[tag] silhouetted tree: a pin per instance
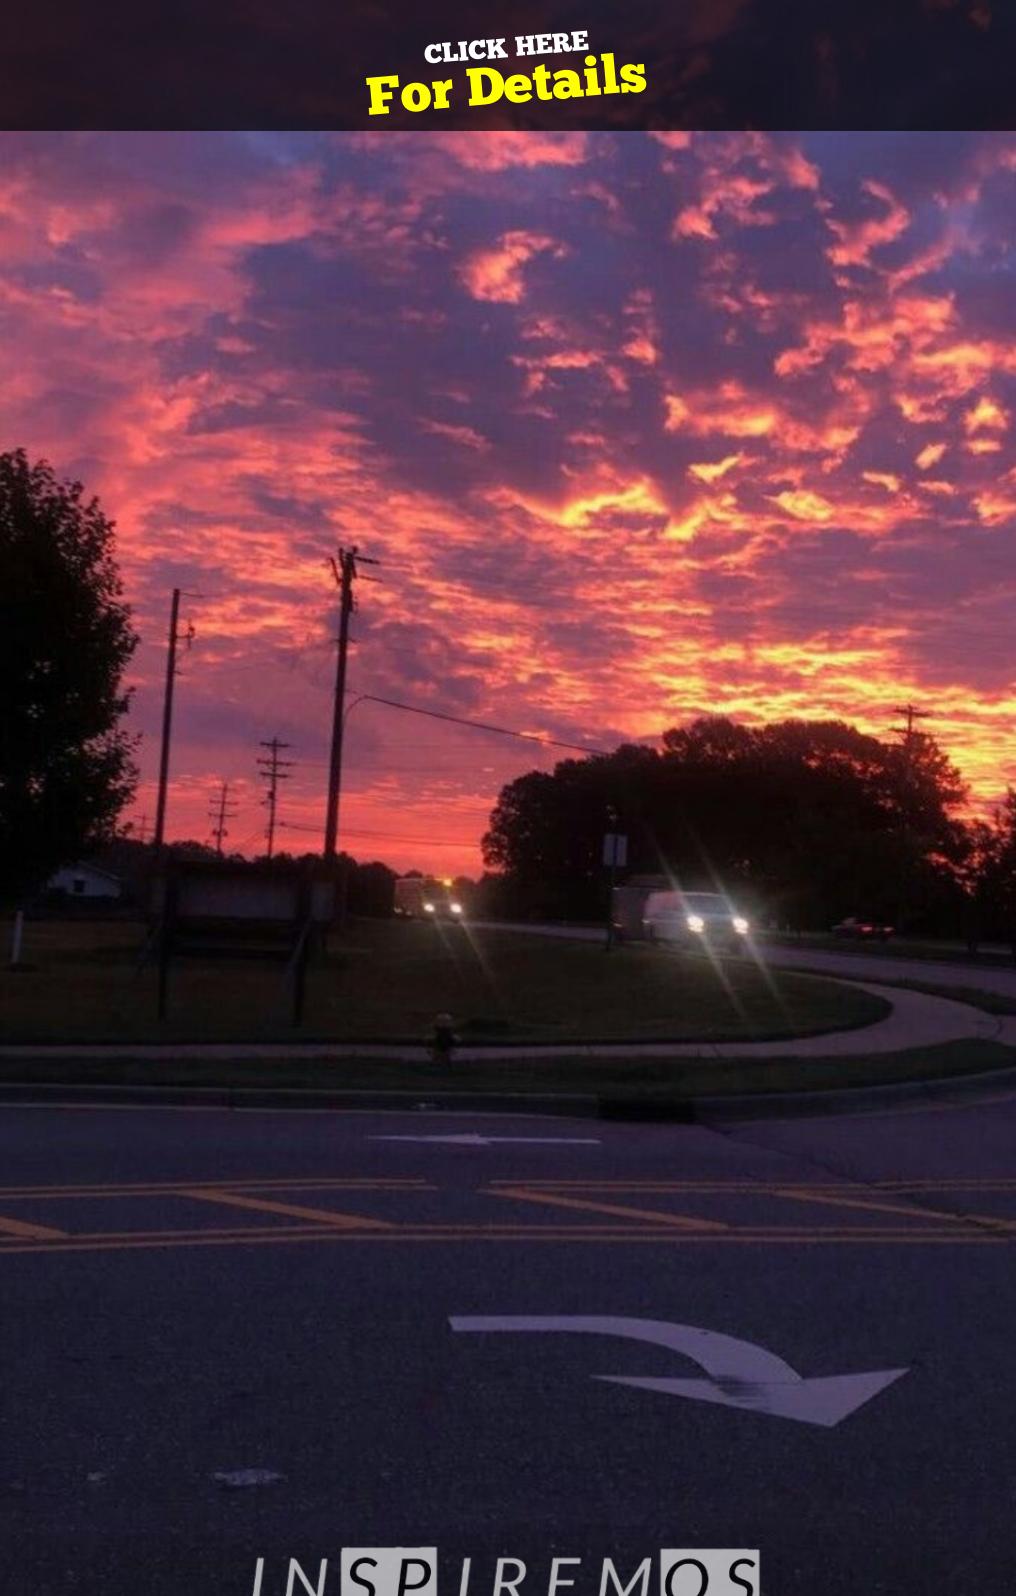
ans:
(991, 877)
(816, 818)
(66, 767)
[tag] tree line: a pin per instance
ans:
(808, 820)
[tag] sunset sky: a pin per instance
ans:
(640, 427)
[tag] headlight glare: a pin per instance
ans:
(696, 923)
(740, 925)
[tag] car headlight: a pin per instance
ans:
(740, 925)
(695, 922)
(428, 908)
(456, 908)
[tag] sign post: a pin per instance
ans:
(615, 856)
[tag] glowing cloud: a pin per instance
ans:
(496, 273)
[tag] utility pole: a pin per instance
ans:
(907, 734)
(911, 713)
(219, 813)
(345, 572)
(273, 770)
(167, 717)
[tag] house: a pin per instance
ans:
(83, 880)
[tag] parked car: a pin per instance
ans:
(696, 920)
(862, 930)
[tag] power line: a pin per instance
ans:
(273, 770)
(381, 836)
(480, 725)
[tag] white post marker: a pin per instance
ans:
(471, 1139)
(741, 1374)
(16, 938)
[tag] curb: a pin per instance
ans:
(837, 1100)
(704, 1109)
(293, 1097)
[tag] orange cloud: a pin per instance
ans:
(986, 415)
(805, 506)
(856, 240)
(711, 471)
(468, 437)
(496, 274)
(731, 411)
(496, 151)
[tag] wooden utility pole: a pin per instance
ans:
(167, 724)
(345, 573)
(911, 713)
(273, 770)
(221, 811)
(167, 715)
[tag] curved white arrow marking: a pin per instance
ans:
(741, 1374)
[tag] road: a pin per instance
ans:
(872, 965)
(194, 1293)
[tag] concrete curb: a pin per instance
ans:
(703, 1108)
(283, 1097)
(838, 1100)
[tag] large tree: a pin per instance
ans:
(814, 818)
(66, 762)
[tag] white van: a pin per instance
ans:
(695, 920)
(427, 898)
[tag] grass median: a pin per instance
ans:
(388, 980)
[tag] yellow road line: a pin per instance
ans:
(18, 1227)
(839, 1201)
(284, 1236)
(172, 1187)
(321, 1216)
(556, 1200)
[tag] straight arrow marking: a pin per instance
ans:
(741, 1373)
(471, 1139)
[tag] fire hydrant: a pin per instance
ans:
(443, 1038)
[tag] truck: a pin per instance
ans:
(427, 898)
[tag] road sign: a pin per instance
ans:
(471, 1139)
(615, 850)
(740, 1373)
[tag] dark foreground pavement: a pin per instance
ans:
(189, 1294)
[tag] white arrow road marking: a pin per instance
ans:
(471, 1139)
(741, 1374)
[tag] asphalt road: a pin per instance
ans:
(196, 1293)
(869, 964)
